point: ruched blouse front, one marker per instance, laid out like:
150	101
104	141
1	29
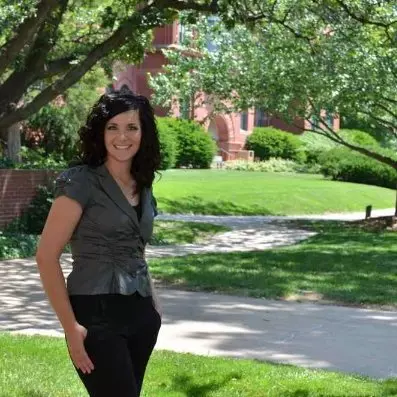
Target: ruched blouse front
108	244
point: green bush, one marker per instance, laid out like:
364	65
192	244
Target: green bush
32	220
54	130
358	137
370	126
168	143
6	163
314	146
37	159
343	164
195	147
17	245
54	127
271	165
269	142
32	159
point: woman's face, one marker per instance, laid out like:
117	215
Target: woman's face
123	136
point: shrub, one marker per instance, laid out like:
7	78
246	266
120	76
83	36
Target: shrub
195	147
33	218
32	159
168	143
358	137
345	165
365	123
6	163
271	165
54	129
314	146
17	245
270	142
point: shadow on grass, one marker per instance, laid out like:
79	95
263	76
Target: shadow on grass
390	387
174	232
345	266
387	389
196	205
189	386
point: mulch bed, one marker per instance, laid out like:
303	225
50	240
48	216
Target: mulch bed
378	224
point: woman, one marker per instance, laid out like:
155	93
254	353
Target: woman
105	208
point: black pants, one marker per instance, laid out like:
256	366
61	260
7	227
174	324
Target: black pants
122	332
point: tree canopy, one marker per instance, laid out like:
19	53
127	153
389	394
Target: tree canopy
311	60
46	46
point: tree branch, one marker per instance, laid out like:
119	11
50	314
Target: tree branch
377	156
139	22
363	19
56	67
13	88
387	110
212	7
389	100
24	34
391	127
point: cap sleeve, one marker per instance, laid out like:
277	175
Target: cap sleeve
74	184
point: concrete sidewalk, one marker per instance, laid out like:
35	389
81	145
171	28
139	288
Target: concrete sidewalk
255	221
314	336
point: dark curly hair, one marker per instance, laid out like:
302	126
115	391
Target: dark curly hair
92	143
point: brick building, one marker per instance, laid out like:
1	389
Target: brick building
229	130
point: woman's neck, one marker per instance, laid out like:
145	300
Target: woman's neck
119	170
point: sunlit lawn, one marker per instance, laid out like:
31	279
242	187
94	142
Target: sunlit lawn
39	367
264	193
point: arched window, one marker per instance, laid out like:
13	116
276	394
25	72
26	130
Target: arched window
125	87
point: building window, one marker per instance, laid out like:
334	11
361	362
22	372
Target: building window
314	122
329	120
125	88
244	120
184	109
211	45
182	33
261	118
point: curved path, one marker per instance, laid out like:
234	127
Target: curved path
250	234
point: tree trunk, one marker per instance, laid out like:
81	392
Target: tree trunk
14	143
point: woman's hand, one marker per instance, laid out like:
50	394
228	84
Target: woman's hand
75	340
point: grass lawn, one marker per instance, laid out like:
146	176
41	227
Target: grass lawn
341	264
262	193
39	367
165	232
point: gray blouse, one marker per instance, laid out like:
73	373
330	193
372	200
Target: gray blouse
108	244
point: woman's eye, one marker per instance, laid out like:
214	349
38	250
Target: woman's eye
111	127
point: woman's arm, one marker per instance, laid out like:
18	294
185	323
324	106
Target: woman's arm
62	219
61	222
